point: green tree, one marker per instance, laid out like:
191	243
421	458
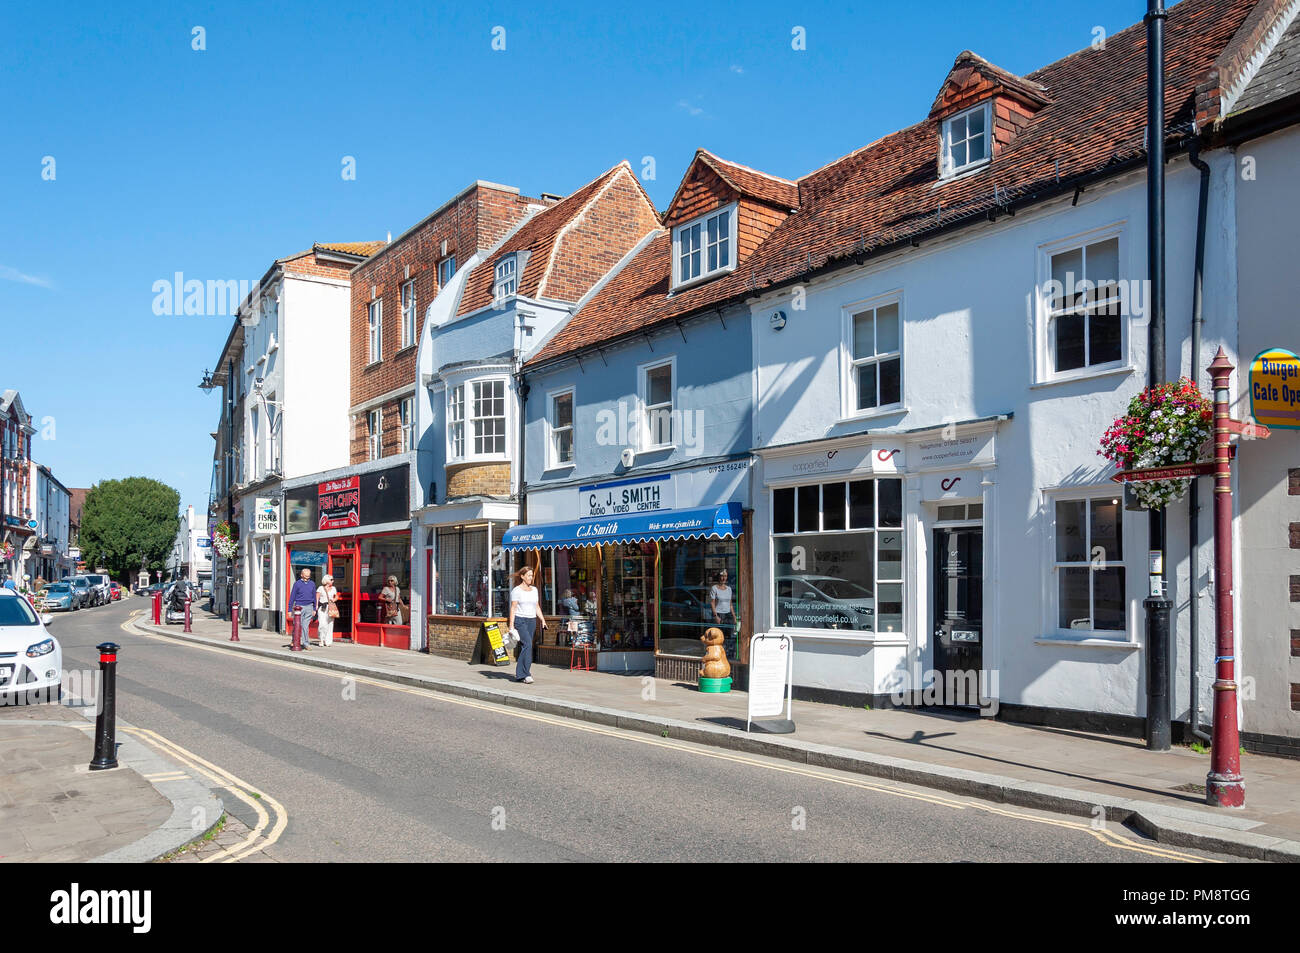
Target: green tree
124	521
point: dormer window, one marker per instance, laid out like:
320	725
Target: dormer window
506	279
704	247
965	141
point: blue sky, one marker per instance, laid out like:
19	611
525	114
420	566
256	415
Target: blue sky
214	163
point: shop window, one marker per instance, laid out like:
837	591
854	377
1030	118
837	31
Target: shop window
699	588
628	597
839	555
1090	585
385	565
463	571
571	592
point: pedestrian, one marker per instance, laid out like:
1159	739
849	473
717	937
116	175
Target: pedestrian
303	594
525	619
391	598
327	610
720	601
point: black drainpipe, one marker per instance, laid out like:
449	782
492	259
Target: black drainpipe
1194	503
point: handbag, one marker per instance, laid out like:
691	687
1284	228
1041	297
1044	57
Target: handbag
332	611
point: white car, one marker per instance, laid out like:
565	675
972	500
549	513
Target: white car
31	660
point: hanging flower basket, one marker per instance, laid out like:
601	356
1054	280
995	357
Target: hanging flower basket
6	552
224	541
1164	426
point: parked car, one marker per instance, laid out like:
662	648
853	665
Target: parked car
61	596
31	660
85	593
115	591
101	583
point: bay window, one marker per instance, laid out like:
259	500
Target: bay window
476	419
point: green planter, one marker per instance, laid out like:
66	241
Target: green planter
715	686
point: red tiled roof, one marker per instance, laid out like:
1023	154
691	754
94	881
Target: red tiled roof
364	249
760	185
886	192
1032	92
537	236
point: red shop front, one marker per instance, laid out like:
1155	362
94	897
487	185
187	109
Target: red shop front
371	568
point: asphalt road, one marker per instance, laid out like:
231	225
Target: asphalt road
367	772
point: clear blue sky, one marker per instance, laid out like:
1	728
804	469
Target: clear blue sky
214	163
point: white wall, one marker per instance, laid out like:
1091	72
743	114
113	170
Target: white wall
970	338
1268	208
316	374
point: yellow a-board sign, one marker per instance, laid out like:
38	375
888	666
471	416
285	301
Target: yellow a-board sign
1275	388
500	656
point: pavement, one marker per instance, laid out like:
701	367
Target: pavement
54	809
1159	794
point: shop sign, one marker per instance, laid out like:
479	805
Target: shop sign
951	485
625	497
770	665
74	553
499	654
819	463
959	451
887	456
339	503
266	517
306	557
1275	388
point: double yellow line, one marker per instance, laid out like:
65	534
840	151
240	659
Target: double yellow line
1102	834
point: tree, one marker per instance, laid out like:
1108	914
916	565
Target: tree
124	521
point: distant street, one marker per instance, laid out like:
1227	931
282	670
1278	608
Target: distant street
476	782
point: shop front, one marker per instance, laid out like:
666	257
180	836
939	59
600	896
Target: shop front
874	561
355	527
634	581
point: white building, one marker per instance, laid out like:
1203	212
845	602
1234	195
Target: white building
191	555
293	367
49	560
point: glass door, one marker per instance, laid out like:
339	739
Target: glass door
341	565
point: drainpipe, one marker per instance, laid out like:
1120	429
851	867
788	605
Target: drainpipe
1194	502
1158	733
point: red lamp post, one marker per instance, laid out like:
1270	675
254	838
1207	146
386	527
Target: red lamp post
1224	786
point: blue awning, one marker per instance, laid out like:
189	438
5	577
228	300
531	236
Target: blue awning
722	521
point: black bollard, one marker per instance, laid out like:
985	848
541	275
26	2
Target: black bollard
106	722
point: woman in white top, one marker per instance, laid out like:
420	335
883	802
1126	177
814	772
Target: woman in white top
326	596
720	601
525	617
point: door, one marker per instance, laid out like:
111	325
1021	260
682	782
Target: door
958	559
341	569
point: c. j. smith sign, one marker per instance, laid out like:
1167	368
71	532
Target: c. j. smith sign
339	503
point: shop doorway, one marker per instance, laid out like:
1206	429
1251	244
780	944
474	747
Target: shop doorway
341	565
958	559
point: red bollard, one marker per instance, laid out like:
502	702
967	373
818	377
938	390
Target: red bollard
157	608
234	622
187	613
297	630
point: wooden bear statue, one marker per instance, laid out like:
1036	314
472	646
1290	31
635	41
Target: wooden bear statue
715	660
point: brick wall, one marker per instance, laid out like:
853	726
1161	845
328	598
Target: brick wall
478	479
319	267
453	637
477	220
595	241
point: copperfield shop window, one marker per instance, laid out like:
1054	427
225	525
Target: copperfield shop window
699	589
838	554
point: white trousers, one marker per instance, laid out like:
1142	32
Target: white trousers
325	627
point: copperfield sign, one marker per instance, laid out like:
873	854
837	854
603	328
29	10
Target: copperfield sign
339	503
1275	388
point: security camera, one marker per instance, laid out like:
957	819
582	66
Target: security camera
628	456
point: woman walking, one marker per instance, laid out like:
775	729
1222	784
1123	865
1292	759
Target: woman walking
525	618
326	597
